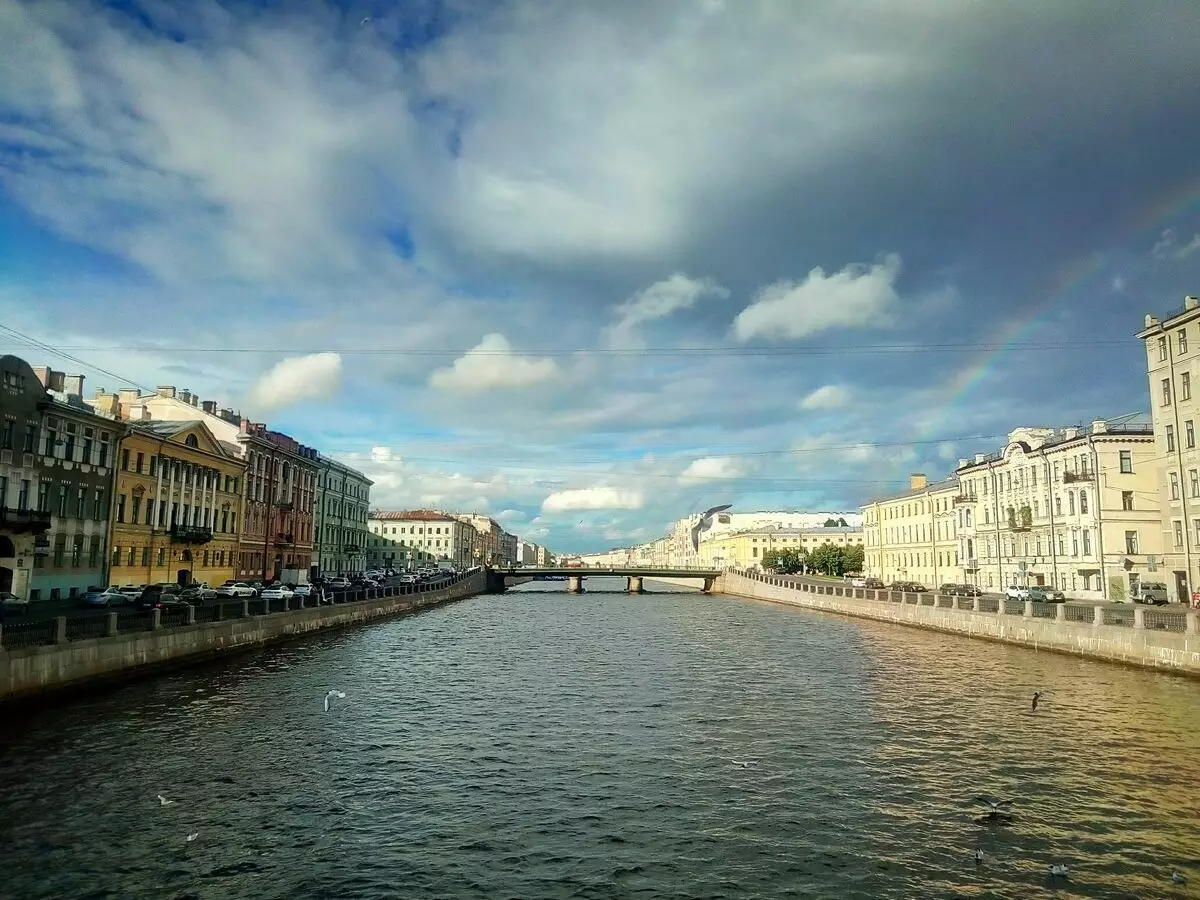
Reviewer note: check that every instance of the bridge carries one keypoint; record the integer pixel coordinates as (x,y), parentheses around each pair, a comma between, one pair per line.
(634,576)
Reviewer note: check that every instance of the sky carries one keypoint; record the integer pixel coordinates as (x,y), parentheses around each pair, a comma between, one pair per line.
(593,267)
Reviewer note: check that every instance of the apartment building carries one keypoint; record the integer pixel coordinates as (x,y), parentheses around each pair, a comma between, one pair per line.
(342,504)
(913,535)
(425,534)
(177,509)
(494,548)
(1172,348)
(1075,508)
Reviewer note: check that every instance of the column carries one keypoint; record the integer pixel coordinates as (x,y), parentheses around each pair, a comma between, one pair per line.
(212,502)
(158,499)
(170,492)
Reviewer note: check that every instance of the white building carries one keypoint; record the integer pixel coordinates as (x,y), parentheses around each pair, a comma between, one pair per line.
(425,533)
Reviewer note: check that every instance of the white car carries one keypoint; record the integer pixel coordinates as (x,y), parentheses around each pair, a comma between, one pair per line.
(235,589)
(278,592)
(1012,592)
(858,582)
(339,583)
(132,592)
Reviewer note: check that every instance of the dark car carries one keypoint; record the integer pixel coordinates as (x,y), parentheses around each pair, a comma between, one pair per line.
(161,596)
(960,590)
(1042,594)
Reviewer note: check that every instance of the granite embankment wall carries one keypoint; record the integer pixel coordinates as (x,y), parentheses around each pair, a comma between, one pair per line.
(691,584)
(1145,637)
(29,671)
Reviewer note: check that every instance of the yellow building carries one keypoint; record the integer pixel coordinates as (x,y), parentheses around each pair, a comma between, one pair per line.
(745,549)
(913,536)
(176,514)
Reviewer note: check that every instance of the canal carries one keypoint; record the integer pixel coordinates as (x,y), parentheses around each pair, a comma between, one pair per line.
(540,745)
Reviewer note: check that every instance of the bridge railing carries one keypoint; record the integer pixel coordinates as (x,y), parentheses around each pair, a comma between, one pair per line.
(16,634)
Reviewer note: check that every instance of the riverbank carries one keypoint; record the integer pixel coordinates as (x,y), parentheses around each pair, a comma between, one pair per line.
(28,672)
(1157,643)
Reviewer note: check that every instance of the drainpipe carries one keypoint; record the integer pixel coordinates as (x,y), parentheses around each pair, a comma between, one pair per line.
(1178,451)
(1095,455)
(1053,536)
(996,516)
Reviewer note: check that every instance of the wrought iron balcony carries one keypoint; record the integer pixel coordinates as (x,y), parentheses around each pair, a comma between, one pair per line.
(351,549)
(24,521)
(1072,477)
(190,534)
(285,538)
(963,499)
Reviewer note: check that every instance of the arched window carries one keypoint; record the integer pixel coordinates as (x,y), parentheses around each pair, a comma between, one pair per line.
(190,441)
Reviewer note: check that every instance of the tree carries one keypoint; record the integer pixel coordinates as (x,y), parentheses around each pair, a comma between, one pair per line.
(827,559)
(831,523)
(787,561)
(853,559)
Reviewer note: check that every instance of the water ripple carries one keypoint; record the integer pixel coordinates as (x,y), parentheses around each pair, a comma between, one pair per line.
(541,745)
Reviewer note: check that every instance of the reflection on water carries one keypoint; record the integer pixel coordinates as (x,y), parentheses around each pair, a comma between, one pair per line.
(546,745)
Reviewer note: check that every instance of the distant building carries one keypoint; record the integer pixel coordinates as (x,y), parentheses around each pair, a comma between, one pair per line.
(745,549)
(491,548)
(912,535)
(413,536)
(342,504)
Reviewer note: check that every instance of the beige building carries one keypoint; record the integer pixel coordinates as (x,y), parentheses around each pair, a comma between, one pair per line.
(745,549)
(913,536)
(426,534)
(1074,508)
(1172,349)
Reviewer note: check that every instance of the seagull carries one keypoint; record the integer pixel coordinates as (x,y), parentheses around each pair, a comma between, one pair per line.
(163,801)
(1059,870)
(995,806)
(365,20)
(705,523)
(978,856)
(329,696)
(1177,878)
(1036,695)
(741,764)
(191,837)
(738,624)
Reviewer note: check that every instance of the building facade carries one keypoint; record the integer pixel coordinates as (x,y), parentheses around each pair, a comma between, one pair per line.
(74,467)
(342,504)
(1074,508)
(177,510)
(489,546)
(423,534)
(745,549)
(1172,349)
(913,535)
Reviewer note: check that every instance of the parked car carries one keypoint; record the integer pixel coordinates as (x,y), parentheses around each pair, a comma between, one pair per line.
(1015,592)
(907,587)
(960,590)
(873,584)
(1154,592)
(105,597)
(1041,594)
(236,589)
(12,602)
(339,583)
(277,592)
(161,596)
(132,592)
(198,592)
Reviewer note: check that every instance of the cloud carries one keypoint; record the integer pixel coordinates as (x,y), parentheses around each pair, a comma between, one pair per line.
(491,365)
(511,515)
(855,297)
(597,497)
(830,396)
(1168,247)
(312,377)
(713,467)
(1119,284)
(658,301)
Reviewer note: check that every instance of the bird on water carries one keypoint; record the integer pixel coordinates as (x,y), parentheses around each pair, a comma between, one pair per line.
(1036,696)
(1060,870)
(329,696)
(978,856)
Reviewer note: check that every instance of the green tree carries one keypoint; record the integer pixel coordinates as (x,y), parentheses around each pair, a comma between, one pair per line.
(787,561)
(831,523)
(827,559)
(853,559)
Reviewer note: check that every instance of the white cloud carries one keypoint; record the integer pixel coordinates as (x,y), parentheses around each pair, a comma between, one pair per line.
(830,396)
(1168,246)
(658,301)
(299,378)
(714,467)
(597,497)
(855,297)
(510,515)
(490,365)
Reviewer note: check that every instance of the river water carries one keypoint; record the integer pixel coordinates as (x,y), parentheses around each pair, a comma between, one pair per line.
(541,745)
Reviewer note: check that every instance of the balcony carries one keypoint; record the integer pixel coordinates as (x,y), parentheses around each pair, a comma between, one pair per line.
(351,550)
(190,534)
(286,538)
(24,521)
(971,565)
(1072,477)
(963,500)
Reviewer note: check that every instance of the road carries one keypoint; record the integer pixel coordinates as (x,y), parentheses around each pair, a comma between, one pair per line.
(44,610)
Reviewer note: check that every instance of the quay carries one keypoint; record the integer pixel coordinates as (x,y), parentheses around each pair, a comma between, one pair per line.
(63,653)
(1151,638)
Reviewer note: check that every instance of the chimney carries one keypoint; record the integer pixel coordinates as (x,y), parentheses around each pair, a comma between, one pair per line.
(962,462)
(127,395)
(917,481)
(210,407)
(195,400)
(979,457)
(166,390)
(1190,302)
(1070,433)
(1099,426)
(73,385)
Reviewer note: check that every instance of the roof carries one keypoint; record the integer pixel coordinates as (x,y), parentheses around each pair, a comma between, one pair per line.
(934,487)
(1130,425)
(816,529)
(163,429)
(411,515)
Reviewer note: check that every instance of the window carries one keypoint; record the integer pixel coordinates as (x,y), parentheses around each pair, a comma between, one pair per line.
(98,505)
(1087,542)
(30,438)
(1083,501)
(133,556)
(94,552)
(81,503)
(87,449)
(1189,434)
(69,446)
(6,434)
(62,501)
(103,461)
(3,490)
(1166,391)
(1170,432)
(1178,533)
(1127,496)
(140,460)
(1174,476)
(150,512)
(23,495)
(136,509)
(1182,335)
(1131,542)
(1185,386)
(1074,543)
(60,548)
(116,556)
(1162,348)
(120,507)
(1127,462)
(146,556)
(76,551)
(162,556)
(125,460)
(1071,502)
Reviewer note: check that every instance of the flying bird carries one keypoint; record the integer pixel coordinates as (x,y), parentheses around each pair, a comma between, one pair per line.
(704,523)
(329,696)
(997,809)
(1177,878)
(163,801)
